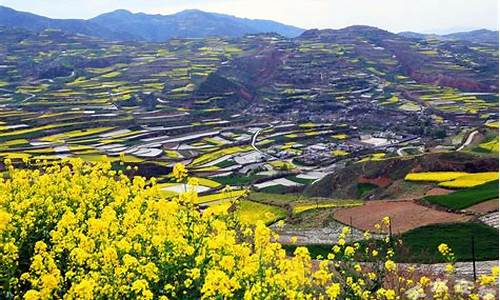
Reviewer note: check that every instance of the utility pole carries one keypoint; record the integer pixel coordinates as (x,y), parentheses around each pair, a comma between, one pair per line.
(473,257)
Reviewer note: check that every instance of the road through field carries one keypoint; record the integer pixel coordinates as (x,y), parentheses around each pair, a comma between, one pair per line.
(254,140)
(469,140)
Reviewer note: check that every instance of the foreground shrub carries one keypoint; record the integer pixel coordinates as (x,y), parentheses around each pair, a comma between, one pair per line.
(80,231)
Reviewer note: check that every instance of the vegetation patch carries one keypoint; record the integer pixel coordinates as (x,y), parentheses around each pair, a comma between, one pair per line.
(420,244)
(467,197)
(454,179)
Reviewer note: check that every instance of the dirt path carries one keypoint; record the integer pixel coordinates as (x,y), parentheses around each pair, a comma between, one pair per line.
(463,269)
(469,140)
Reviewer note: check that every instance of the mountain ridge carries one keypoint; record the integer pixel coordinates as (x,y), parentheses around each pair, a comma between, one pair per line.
(476,36)
(122,24)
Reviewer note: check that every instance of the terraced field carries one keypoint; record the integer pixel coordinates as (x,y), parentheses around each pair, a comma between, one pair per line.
(262,113)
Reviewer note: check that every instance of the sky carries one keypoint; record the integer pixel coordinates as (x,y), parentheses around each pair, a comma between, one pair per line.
(426,16)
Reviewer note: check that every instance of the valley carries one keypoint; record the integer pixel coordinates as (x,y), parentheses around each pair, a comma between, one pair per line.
(319,130)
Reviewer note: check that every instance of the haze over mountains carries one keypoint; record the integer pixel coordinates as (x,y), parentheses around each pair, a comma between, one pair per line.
(128,26)
(124,25)
(476,36)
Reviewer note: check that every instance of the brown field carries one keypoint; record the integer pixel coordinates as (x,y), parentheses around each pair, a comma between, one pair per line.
(437,192)
(405,215)
(484,207)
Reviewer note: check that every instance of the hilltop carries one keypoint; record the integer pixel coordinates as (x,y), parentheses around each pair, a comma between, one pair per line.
(124,25)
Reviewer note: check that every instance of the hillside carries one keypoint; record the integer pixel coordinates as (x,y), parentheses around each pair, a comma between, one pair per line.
(384,179)
(124,25)
(475,36)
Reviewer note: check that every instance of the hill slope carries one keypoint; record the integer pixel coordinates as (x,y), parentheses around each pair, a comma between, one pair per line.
(13,18)
(389,174)
(124,25)
(476,36)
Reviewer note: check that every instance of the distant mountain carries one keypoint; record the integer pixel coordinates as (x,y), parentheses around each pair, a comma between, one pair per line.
(476,36)
(189,23)
(13,18)
(124,25)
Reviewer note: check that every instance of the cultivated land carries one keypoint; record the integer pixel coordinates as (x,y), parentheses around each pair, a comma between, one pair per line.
(321,128)
(405,215)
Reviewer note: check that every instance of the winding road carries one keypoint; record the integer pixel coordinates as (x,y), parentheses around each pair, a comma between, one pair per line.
(469,140)
(254,139)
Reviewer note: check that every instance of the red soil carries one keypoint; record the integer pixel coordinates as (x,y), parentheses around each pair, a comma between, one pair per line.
(437,192)
(485,207)
(379,181)
(405,215)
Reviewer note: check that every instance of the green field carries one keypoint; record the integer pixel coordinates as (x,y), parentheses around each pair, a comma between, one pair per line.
(237,179)
(421,244)
(467,197)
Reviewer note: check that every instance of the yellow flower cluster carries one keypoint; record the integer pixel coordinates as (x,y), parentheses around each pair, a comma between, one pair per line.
(84,231)
(454,179)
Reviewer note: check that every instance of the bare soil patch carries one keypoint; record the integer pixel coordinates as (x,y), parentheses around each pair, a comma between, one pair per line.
(437,192)
(484,207)
(405,215)
(381,181)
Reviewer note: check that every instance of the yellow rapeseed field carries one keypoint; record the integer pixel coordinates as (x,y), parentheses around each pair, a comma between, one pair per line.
(454,179)
(75,230)
(470,180)
(434,176)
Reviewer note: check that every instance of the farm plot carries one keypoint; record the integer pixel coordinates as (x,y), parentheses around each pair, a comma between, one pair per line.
(405,215)
(466,197)
(251,212)
(453,179)
(421,243)
(277,182)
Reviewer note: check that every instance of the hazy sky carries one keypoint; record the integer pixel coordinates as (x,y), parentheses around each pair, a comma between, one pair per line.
(439,16)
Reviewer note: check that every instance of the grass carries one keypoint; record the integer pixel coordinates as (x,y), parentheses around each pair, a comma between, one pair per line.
(491,146)
(226,163)
(467,197)
(300,180)
(373,157)
(281,165)
(275,199)
(421,244)
(314,249)
(111,75)
(76,134)
(493,125)
(340,136)
(207,182)
(206,158)
(364,188)
(236,179)
(300,203)
(221,196)
(278,189)
(338,153)
(299,208)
